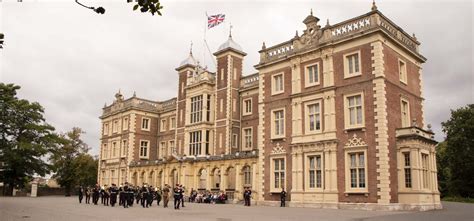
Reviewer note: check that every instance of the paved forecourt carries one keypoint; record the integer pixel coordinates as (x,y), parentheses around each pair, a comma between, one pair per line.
(68,208)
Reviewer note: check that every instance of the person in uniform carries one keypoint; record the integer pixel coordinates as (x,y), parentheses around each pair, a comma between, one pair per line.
(88,195)
(124,196)
(177,196)
(282,197)
(113,194)
(95,194)
(158,196)
(137,194)
(166,192)
(183,189)
(80,193)
(120,194)
(150,196)
(144,195)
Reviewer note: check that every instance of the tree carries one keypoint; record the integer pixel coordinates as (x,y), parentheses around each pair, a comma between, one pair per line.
(443,169)
(459,151)
(152,6)
(25,139)
(64,158)
(2,36)
(85,169)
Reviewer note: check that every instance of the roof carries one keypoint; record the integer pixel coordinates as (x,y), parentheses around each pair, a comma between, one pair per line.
(230,44)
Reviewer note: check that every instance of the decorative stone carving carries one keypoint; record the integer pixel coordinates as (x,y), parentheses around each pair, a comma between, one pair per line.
(355,142)
(278,149)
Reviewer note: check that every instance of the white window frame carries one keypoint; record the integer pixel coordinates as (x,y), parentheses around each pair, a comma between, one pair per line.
(308,171)
(172,123)
(307,75)
(407,166)
(195,143)
(274,86)
(247,175)
(235,141)
(196,109)
(125,123)
(273,188)
(347,154)
(106,129)
(346,65)
(245,136)
(123,149)
(247,106)
(161,151)
(104,151)
(147,151)
(115,126)
(347,112)
(147,128)
(307,117)
(171,146)
(405,117)
(163,125)
(274,135)
(425,170)
(402,71)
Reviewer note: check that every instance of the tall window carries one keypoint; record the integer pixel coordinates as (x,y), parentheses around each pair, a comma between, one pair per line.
(106,129)
(162,149)
(173,123)
(279,173)
(277,83)
(248,138)
(354,111)
(402,71)
(114,149)
(424,169)
(312,75)
(279,123)
(144,149)
(247,106)
(171,147)
(196,109)
(163,125)
(123,152)
(352,64)
(314,117)
(405,109)
(208,134)
(247,175)
(357,170)
(145,123)
(234,140)
(125,123)
(104,152)
(115,126)
(407,169)
(195,143)
(315,172)
(208,112)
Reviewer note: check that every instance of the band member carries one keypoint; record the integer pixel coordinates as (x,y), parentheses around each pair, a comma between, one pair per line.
(113,194)
(125,196)
(282,197)
(106,195)
(88,195)
(80,193)
(182,194)
(158,196)
(120,195)
(144,196)
(247,196)
(177,193)
(166,192)
(149,198)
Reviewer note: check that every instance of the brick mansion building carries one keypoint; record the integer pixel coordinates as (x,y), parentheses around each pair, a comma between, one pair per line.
(334,116)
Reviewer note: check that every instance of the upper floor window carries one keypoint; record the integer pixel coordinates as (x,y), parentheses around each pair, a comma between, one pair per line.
(195,139)
(162,149)
(234,140)
(171,147)
(278,123)
(277,83)
(314,117)
(405,112)
(144,148)
(402,71)
(247,106)
(352,65)
(123,151)
(163,125)
(407,169)
(115,126)
(106,129)
(125,123)
(173,123)
(196,109)
(114,149)
(145,123)
(247,142)
(104,151)
(354,111)
(312,75)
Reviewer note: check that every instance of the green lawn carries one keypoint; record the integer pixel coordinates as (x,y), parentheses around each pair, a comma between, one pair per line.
(458,199)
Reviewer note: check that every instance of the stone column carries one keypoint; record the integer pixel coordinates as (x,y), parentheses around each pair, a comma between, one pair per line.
(238,182)
(223,183)
(34,189)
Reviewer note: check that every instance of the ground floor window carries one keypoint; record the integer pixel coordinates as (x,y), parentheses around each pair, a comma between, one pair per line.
(278,173)
(357,170)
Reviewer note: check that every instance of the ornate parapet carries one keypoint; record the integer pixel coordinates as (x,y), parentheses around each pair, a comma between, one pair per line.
(415,133)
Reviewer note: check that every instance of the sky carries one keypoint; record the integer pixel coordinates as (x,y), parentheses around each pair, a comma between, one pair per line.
(73,61)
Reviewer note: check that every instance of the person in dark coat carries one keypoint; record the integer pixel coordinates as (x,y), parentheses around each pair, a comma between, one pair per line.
(88,195)
(113,194)
(120,195)
(177,193)
(282,197)
(144,196)
(95,194)
(80,193)
(158,196)
(150,196)
(125,196)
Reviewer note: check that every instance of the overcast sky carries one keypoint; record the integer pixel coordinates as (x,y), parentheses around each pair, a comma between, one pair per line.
(72,60)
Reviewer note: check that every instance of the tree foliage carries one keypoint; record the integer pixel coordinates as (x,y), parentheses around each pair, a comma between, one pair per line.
(456,158)
(64,158)
(85,172)
(25,139)
(152,6)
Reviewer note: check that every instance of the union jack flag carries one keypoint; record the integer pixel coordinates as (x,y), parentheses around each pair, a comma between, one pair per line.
(214,20)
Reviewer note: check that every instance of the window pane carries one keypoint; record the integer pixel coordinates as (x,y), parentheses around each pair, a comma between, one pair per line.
(362,178)
(361,160)
(353,178)
(356,63)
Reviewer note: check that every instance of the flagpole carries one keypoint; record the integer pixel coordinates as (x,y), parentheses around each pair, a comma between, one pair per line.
(207,45)
(205,29)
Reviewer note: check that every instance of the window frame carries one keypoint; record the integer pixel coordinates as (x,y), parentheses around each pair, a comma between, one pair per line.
(307,83)
(172,123)
(306,115)
(123,148)
(402,71)
(125,123)
(162,125)
(308,171)
(274,189)
(148,124)
(245,108)
(273,83)
(148,146)
(196,109)
(405,119)
(244,138)
(349,188)
(346,64)
(347,124)
(272,118)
